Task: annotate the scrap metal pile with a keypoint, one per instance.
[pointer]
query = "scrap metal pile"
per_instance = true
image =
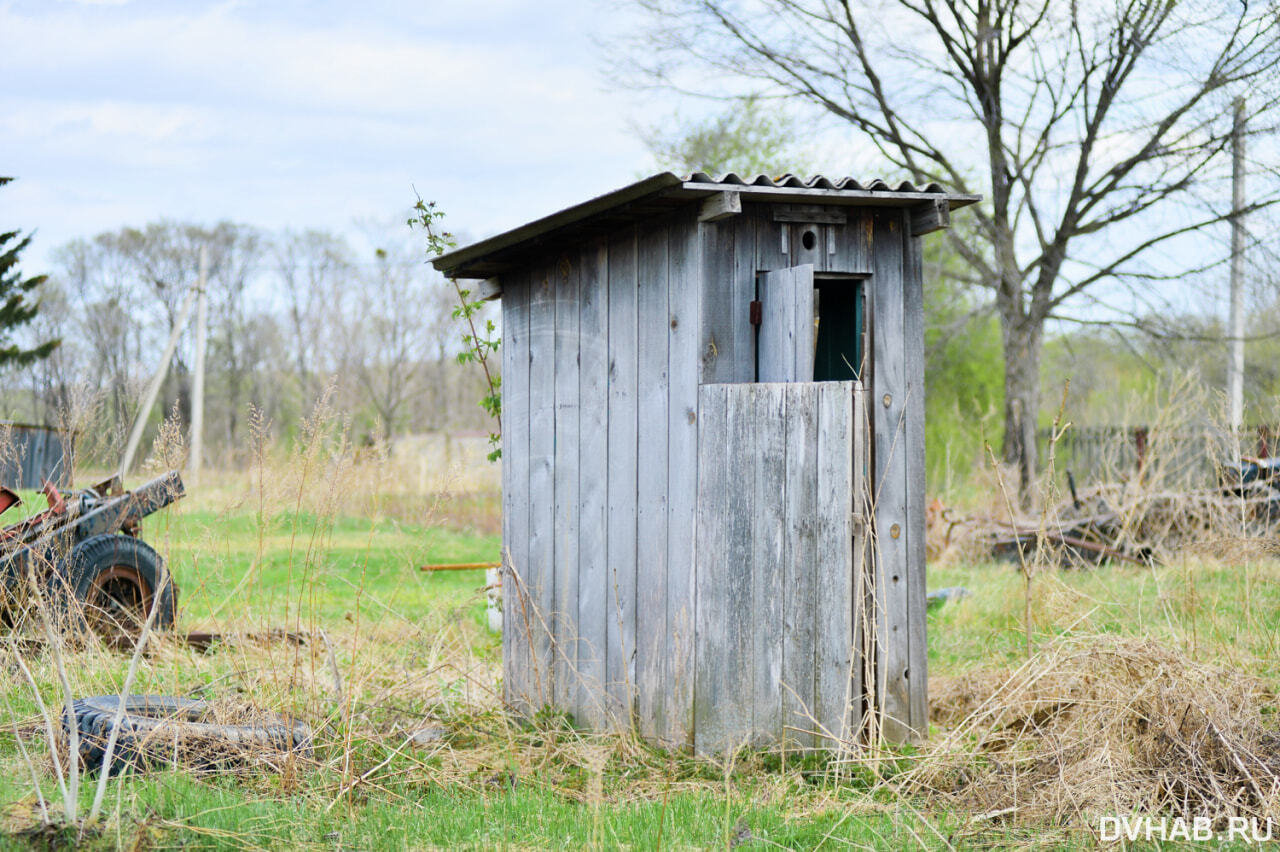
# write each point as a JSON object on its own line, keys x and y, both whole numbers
{"x": 1123, "y": 521}
{"x": 85, "y": 546}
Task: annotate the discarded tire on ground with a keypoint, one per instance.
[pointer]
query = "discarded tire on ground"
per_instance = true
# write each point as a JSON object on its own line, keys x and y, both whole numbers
{"x": 163, "y": 729}
{"x": 116, "y": 578}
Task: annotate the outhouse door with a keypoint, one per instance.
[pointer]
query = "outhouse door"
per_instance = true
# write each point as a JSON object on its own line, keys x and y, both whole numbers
{"x": 784, "y": 345}
{"x": 780, "y": 590}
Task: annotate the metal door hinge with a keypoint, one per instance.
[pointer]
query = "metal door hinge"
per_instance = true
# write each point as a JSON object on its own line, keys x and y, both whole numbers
{"x": 757, "y": 312}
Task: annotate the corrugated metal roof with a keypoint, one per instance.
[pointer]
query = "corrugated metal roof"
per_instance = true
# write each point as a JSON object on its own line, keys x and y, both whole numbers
{"x": 844, "y": 184}
{"x": 664, "y": 191}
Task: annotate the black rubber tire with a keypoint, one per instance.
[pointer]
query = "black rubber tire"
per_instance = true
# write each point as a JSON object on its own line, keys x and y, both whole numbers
{"x": 102, "y": 553}
{"x": 151, "y": 724}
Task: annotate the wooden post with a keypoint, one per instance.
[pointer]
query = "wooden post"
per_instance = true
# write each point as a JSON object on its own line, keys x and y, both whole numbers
{"x": 149, "y": 398}
{"x": 1235, "y": 365}
{"x": 196, "y": 459}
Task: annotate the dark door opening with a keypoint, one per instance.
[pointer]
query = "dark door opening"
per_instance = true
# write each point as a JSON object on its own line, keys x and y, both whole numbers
{"x": 838, "y": 317}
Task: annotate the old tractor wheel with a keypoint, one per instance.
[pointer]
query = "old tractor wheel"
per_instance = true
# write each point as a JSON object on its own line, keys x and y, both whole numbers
{"x": 116, "y": 580}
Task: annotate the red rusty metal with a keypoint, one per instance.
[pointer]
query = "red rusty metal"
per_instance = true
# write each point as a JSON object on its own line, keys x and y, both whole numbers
{"x": 57, "y": 505}
{"x": 8, "y": 499}
{"x": 1140, "y": 436}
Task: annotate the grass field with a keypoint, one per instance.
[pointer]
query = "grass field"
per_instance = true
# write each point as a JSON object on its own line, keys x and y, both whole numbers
{"x": 389, "y": 650}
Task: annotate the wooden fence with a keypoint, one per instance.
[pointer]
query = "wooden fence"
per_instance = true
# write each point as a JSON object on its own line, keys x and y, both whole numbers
{"x": 31, "y": 454}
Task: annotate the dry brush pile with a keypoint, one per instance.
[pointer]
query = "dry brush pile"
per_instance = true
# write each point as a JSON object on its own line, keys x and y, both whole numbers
{"x": 1100, "y": 725}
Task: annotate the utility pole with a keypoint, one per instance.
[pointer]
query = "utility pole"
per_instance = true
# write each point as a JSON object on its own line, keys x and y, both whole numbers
{"x": 149, "y": 398}
{"x": 196, "y": 458}
{"x": 1235, "y": 365}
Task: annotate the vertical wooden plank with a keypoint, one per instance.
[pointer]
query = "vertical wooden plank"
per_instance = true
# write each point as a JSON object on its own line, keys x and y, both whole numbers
{"x": 566, "y": 484}
{"x": 798, "y": 653}
{"x": 802, "y": 284}
{"x": 733, "y": 705}
{"x": 683, "y": 282}
{"x": 711, "y": 715}
{"x": 889, "y": 398}
{"x": 744, "y": 293}
{"x": 768, "y": 451}
{"x": 518, "y": 622}
{"x": 651, "y": 486}
{"x": 620, "y": 579}
{"x": 773, "y": 239}
{"x": 864, "y": 621}
{"x": 593, "y": 477}
{"x": 542, "y": 448}
{"x": 716, "y": 340}
{"x": 834, "y": 587}
{"x": 916, "y": 674}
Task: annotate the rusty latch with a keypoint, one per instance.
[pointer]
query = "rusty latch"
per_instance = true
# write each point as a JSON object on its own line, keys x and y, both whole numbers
{"x": 757, "y": 312}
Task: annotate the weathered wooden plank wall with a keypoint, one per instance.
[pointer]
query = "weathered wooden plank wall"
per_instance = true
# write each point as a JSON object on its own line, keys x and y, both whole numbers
{"x": 31, "y": 454}
{"x": 775, "y": 604}
{"x": 600, "y": 474}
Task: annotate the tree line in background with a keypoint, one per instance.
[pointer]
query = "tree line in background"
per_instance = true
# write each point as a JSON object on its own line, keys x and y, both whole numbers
{"x": 296, "y": 318}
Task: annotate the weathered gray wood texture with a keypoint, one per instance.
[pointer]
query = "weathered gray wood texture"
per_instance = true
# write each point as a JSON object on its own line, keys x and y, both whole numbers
{"x": 31, "y": 454}
{"x": 775, "y": 611}
{"x": 600, "y": 479}
{"x": 786, "y": 333}
{"x": 896, "y": 409}
{"x": 607, "y": 349}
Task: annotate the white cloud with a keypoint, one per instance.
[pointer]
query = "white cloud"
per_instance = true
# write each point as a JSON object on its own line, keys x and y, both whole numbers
{"x": 303, "y": 118}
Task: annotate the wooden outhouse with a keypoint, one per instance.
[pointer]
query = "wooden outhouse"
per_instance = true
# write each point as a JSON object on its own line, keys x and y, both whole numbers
{"x": 713, "y": 458}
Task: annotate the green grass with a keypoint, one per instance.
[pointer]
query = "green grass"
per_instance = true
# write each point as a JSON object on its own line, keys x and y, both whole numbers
{"x": 1229, "y": 612}
{"x": 222, "y": 561}
{"x": 411, "y": 646}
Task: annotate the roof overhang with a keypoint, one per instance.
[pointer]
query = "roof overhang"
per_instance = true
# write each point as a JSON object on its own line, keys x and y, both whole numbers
{"x": 664, "y": 192}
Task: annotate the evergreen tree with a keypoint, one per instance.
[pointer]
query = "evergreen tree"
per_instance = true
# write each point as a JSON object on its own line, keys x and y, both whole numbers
{"x": 18, "y": 302}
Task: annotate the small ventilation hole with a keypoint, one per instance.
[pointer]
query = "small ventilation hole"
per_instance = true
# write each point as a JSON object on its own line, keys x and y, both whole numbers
{"x": 809, "y": 240}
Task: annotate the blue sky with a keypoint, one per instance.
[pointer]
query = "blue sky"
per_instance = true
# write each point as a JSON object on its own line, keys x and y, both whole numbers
{"x": 288, "y": 113}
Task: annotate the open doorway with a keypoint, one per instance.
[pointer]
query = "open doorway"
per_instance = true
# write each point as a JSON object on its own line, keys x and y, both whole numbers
{"x": 838, "y": 328}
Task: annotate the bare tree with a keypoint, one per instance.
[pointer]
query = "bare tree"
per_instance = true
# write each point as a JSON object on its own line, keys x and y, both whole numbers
{"x": 234, "y": 254}
{"x": 1095, "y": 129}
{"x": 401, "y": 321}
{"x": 315, "y": 269}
